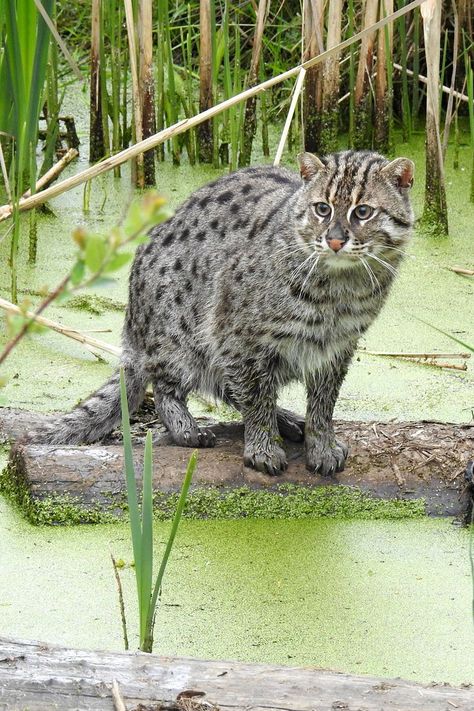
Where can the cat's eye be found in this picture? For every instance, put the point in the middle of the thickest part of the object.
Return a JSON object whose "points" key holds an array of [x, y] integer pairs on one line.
{"points": [[363, 212], [322, 209]]}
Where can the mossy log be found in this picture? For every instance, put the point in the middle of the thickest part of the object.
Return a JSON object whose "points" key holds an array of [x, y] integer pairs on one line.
{"points": [[37, 676], [397, 462]]}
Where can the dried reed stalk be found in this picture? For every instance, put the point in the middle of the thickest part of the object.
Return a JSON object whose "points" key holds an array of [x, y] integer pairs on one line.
{"points": [[205, 80], [136, 94], [424, 80], [147, 94], [87, 341], [330, 72], [362, 93], [313, 27], [96, 127], [250, 118], [291, 111], [185, 124], [435, 209], [383, 100], [461, 270], [54, 171]]}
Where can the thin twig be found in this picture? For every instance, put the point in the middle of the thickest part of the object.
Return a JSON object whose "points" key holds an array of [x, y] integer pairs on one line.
{"points": [[424, 80], [461, 270], [186, 124], [5, 174], [121, 603], [294, 100], [32, 317], [418, 355], [54, 171], [119, 703], [53, 325]]}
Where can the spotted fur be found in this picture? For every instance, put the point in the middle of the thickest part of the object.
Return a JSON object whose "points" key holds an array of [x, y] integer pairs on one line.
{"points": [[243, 291]]}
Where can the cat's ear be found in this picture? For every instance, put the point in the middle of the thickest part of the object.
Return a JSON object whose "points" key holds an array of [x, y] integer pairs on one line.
{"points": [[309, 165], [400, 172]]}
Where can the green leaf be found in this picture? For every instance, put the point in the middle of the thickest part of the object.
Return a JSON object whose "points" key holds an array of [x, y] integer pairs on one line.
{"points": [[117, 262], [135, 521], [148, 642], [94, 252], [77, 272], [147, 536]]}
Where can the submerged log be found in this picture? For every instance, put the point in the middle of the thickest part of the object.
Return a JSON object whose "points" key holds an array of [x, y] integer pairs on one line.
{"points": [[41, 677], [401, 461]]}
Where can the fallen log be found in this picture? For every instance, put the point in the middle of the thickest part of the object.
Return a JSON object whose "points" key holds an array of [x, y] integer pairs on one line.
{"points": [[40, 677], [413, 466]]}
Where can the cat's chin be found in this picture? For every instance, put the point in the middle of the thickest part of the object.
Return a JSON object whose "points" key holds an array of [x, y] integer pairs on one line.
{"points": [[338, 261]]}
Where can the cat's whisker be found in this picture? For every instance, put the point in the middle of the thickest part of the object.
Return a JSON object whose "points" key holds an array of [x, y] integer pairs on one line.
{"points": [[385, 264], [309, 273], [373, 277], [300, 268], [402, 251]]}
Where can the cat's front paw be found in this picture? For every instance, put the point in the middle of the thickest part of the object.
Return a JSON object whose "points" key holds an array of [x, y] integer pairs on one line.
{"points": [[269, 461], [325, 455]]}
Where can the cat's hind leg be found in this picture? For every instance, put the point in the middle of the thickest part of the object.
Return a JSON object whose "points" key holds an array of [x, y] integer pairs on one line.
{"points": [[171, 407], [290, 425]]}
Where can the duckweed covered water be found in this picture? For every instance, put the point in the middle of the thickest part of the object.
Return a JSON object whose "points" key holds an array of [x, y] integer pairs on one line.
{"points": [[379, 597]]}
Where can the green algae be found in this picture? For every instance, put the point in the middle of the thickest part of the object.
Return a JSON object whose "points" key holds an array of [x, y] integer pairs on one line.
{"points": [[94, 304], [388, 598]]}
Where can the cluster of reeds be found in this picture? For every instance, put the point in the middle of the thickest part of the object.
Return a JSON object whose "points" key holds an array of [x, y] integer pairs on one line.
{"points": [[23, 71], [156, 64]]}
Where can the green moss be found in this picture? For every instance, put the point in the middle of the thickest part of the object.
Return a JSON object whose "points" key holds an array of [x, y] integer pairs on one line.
{"points": [[286, 501], [94, 304]]}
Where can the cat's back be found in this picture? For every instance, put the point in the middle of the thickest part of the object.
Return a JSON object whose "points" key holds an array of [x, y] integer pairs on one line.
{"points": [[219, 212]]}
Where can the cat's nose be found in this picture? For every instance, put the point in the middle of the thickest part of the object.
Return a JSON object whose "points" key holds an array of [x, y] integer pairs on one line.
{"points": [[336, 237], [336, 244]]}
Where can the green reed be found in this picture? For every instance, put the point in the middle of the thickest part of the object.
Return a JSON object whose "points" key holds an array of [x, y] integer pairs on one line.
{"points": [[406, 117], [23, 67], [141, 525]]}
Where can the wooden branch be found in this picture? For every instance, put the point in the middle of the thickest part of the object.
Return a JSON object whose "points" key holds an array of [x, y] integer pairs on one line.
{"points": [[38, 676], [461, 270], [54, 171], [64, 330], [424, 80], [185, 124], [408, 461]]}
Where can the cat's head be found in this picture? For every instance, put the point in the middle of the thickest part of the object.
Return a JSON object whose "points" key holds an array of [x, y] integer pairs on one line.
{"points": [[355, 203]]}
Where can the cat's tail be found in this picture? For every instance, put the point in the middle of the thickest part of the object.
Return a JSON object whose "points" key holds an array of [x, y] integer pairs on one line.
{"points": [[96, 416]]}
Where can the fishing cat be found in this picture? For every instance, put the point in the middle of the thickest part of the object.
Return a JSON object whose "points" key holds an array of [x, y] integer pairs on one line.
{"points": [[260, 278]]}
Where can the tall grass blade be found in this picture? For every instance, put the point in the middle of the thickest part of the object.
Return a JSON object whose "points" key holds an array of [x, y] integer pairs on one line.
{"points": [[146, 570], [148, 644], [135, 522]]}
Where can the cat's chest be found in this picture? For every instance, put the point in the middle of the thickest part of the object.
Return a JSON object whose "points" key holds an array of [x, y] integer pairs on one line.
{"points": [[313, 334]]}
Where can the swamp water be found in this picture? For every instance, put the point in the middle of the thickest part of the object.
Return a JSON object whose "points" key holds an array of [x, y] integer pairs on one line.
{"points": [[366, 597], [377, 597]]}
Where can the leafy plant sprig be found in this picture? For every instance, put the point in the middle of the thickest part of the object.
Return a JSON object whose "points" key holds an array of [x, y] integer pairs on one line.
{"points": [[97, 258]]}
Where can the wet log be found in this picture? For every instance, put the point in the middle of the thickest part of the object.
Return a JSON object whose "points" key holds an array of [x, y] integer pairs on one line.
{"points": [[392, 460], [41, 677]]}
